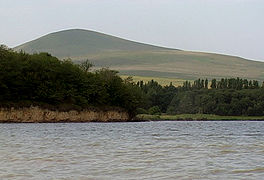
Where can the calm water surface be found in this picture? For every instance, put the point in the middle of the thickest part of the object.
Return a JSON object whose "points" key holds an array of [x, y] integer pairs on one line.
{"points": [[149, 150]]}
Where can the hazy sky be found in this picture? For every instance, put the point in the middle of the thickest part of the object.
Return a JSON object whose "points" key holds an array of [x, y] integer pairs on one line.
{"points": [[234, 27]]}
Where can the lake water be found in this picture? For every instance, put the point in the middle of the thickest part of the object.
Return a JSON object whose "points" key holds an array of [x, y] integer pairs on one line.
{"points": [[146, 150]]}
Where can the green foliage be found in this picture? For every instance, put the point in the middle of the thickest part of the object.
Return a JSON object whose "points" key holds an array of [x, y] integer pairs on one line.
{"points": [[155, 110], [231, 83], [247, 102], [156, 95], [142, 111], [232, 96], [43, 79]]}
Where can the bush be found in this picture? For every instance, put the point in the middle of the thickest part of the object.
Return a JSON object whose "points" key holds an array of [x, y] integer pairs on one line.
{"points": [[142, 111], [155, 110]]}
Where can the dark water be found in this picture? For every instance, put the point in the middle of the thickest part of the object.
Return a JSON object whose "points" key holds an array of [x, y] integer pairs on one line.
{"points": [[150, 150]]}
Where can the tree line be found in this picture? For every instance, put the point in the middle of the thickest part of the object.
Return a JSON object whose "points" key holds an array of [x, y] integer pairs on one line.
{"points": [[44, 80], [229, 96], [224, 83]]}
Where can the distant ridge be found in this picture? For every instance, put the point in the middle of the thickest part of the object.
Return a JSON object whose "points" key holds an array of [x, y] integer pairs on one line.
{"points": [[133, 58]]}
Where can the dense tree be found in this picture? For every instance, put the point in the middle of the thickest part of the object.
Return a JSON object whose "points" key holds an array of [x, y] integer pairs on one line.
{"points": [[156, 95], [213, 84], [220, 102], [206, 84], [43, 79], [233, 96], [155, 110]]}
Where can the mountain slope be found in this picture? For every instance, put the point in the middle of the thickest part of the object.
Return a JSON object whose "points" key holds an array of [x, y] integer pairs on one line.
{"points": [[78, 42], [134, 58]]}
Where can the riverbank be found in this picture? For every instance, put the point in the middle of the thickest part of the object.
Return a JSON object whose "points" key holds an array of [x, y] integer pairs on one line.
{"points": [[198, 117], [41, 115]]}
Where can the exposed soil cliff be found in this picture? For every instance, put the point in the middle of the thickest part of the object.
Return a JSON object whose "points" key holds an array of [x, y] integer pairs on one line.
{"points": [[39, 115]]}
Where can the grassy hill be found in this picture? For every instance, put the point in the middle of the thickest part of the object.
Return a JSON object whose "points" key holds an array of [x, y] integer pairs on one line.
{"points": [[138, 59]]}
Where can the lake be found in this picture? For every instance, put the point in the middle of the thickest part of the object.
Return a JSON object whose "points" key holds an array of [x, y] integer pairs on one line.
{"points": [[141, 150]]}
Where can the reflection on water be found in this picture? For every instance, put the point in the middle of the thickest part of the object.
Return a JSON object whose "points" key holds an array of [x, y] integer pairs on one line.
{"points": [[149, 150]]}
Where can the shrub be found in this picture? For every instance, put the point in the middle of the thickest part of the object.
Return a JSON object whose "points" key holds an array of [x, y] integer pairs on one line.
{"points": [[155, 110]]}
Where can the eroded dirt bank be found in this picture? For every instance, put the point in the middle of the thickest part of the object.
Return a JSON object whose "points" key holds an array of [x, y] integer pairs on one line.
{"points": [[39, 115]]}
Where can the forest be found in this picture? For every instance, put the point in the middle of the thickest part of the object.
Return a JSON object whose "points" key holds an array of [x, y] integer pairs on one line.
{"points": [[227, 97], [43, 80]]}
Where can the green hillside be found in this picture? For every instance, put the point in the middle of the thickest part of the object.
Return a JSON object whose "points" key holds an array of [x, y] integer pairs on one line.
{"points": [[78, 42], [132, 58]]}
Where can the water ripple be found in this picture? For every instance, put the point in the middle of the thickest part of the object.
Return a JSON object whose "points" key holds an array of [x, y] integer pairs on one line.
{"points": [[149, 150]]}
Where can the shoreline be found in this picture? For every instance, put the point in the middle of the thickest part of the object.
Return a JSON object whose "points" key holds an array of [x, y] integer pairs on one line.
{"points": [[132, 121], [198, 117], [35, 114], [197, 120]]}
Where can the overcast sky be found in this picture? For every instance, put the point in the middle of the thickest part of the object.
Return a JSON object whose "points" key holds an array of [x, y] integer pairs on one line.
{"points": [[234, 27]]}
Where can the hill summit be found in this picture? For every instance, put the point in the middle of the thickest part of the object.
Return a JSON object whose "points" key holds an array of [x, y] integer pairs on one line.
{"points": [[79, 42]]}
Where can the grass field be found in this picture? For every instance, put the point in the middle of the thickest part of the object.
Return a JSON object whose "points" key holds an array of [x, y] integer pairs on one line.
{"points": [[137, 59], [197, 117], [161, 81], [181, 65]]}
